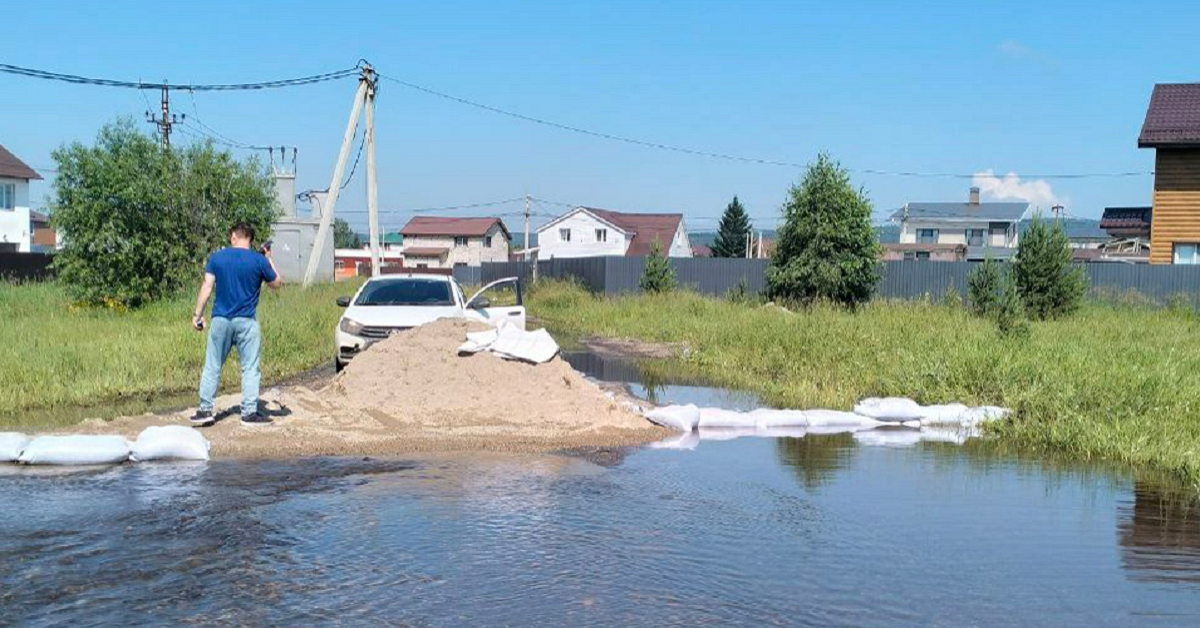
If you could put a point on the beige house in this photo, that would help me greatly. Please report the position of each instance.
(974, 224)
(434, 242)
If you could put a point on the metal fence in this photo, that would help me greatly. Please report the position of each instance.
(899, 280)
(26, 266)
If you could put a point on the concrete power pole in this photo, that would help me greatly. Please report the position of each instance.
(365, 82)
(526, 226)
(167, 120)
(372, 196)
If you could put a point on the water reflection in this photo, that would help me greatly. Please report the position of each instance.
(1159, 534)
(817, 458)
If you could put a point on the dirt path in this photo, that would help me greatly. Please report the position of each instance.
(413, 393)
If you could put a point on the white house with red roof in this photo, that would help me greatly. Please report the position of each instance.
(16, 229)
(436, 242)
(591, 232)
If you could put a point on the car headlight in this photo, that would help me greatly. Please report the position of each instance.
(350, 326)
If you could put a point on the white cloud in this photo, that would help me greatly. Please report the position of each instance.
(1010, 187)
(1014, 49)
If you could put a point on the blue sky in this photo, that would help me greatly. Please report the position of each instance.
(949, 87)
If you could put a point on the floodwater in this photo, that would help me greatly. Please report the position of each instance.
(812, 531)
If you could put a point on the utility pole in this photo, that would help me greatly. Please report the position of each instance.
(1057, 209)
(367, 80)
(167, 120)
(526, 226)
(372, 197)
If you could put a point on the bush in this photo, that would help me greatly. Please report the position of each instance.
(658, 275)
(1051, 287)
(1009, 311)
(983, 287)
(138, 220)
(827, 249)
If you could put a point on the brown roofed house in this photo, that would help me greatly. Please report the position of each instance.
(16, 227)
(591, 232)
(439, 242)
(1172, 129)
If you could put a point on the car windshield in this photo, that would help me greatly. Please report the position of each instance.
(406, 292)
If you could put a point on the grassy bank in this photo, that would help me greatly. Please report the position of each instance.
(53, 355)
(1113, 383)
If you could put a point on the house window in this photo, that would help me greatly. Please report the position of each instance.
(909, 256)
(422, 265)
(487, 242)
(927, 236)
(975, 237)
(922, 255)
(8, 196)
(564, 235)
(1187, 253)
(602, 235)
(460, 241)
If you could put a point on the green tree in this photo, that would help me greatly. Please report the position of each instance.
(1009, 311)
(658, 275)
(827, 248)
(1050, 286)
(732, 232)
(138, 220)
(344, 237)
(984, 283)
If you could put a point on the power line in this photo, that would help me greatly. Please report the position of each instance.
(725, 156)
(196, 87)
(424, 210)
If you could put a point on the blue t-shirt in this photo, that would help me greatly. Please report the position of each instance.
(239, 273)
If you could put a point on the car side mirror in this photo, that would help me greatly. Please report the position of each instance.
(480, 302)
(343, 301)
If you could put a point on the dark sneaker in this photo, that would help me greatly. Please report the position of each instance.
(255, 420)
(202, 418)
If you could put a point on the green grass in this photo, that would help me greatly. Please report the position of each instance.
(53, 355)
(1114, 383)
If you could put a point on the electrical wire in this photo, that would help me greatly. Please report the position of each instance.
(103, 82)
(219, 137)
(725, 156)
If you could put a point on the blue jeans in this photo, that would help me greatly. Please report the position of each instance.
(223, 334)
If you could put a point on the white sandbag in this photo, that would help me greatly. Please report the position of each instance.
(685, 441)
(170, 442)
(479, 341)
(836, 418)
(11, 446)
(513, 343)
(682, 418)
(76, 450)
(767, 418)
(726, 433)
(889, 409)
(949, 413)
(716, 417)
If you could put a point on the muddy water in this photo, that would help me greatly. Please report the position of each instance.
(820, 530)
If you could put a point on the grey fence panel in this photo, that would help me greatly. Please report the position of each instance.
(1157, 283)
(468, 275)
(717, 277)
(26, 266)
(915, 280)
(623, 275)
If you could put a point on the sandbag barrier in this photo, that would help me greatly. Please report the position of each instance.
(887, 422)
(159, 442)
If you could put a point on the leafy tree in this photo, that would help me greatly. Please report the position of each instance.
(732, 232)
(1008, 311)
(827, 248)
(983, 287)
(344, 237)
(1050, 286)
(658, 275)
(138, 220)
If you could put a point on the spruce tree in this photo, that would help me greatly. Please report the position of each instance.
(732, 232)
(827, 248)
(1050, 286)
(658, 275)
(984, 283)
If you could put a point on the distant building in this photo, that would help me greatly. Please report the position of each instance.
(435, 242)
(348, 263)
(16, 226)
(1172, 129)
(591, 232)
(43, 237)
(974, 224)
(896, 252)
(392, 241)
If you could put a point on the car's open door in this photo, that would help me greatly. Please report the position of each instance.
(501, 300)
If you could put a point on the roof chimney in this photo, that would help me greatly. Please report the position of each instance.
(974, 198)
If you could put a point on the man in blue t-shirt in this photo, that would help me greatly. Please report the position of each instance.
(237, 274)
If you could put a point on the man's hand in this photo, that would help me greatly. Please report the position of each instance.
(197, 322)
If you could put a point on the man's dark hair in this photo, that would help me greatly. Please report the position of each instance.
(243, 230)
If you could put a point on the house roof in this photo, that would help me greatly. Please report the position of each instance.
(1126, 218)
(1173, 117)
(393, 238)
(990, 211)
(441, 226)
(425, 251)
(701, 250)
(38, 217)
(14, 168)
(644, 229)
(1075, 228)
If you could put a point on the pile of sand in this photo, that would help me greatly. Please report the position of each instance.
(413, 392)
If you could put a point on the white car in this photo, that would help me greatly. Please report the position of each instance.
(388, 304)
